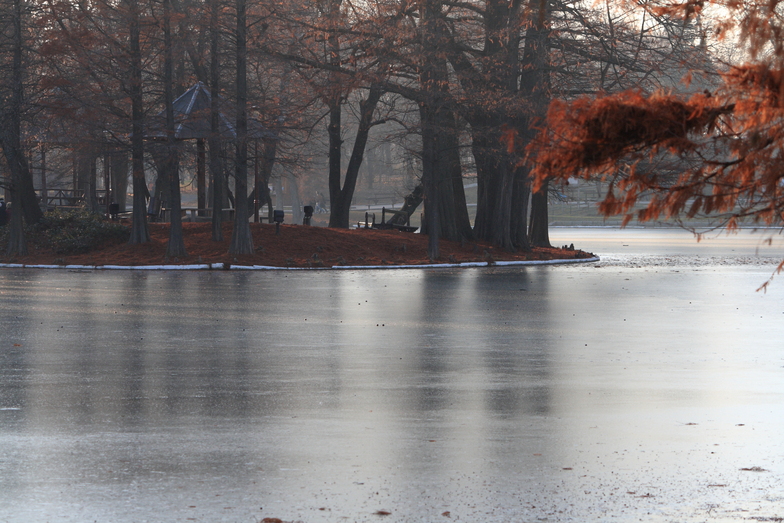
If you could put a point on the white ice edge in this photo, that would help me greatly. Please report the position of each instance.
(223, 267)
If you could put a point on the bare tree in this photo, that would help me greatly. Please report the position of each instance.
(241, 239)
(139, 230)
(176, 245)
(11, 120)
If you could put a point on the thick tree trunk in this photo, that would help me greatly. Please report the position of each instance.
(538, 233)
(502, 185)
(535, 84)
(497, 183)
(442, 172)
(502, 207)
(430, 78)
(31, 208)
(455, 223)
(25, 202)
(485, 190)
(17, 244)
(521, 193)
(446, 214)
(241, 239)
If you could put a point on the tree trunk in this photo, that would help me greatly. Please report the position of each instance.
(270, 153)
(410, 204)
(214, 141)
(241, 239)
(161, 187)
(176, 245)
(119, 163)
(17, 243)
(496, 182)
(294, 199)
(261, 190)
(201, 175)
(446, 214)
(85, 167)
(139, 231)
(502, 207)
(430, 79)
(25, 201)
(335, 169)
(432, 222)
(538, 232)
(31, 208)
(521, 193)
(535, 84)
(486, 167)
(341, 197)
(493, 84)
(453, 210)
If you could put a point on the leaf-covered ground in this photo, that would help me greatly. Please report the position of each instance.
(295, 246)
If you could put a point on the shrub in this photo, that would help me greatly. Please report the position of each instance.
(77, 231)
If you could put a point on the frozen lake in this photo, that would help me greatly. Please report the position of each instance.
(646, 387)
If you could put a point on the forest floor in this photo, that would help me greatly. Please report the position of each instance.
(295, 246)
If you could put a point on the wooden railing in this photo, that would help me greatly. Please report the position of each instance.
(55, 198)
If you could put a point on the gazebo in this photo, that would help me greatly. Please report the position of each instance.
(192, 117)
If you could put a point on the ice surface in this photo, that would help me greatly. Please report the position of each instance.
(636, 388)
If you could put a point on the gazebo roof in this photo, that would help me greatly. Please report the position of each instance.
(192, 118)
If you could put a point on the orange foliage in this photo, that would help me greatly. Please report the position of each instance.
(726, 146)
(760, 79)
(594, 133)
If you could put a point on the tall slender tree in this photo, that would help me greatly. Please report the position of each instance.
(176, 245)
(214, 142)
(535, 86)
(241, 239)
(14, 105)
(139, 230)
(12, 129)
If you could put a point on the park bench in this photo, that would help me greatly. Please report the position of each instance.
(370, 221)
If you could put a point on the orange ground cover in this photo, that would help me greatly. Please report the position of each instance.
(295, 246)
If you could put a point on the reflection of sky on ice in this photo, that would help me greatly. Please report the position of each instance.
(575, 393)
